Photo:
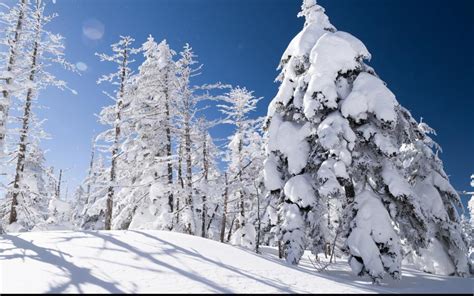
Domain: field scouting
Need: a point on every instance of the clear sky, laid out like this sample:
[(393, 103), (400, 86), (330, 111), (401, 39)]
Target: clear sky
[(423, 49)]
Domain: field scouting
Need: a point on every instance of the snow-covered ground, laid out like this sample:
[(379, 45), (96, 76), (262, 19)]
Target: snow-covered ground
[(157, 261)]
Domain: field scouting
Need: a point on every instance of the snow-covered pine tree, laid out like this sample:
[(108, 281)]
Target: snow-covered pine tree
[(245, 159), (112, 115), (468, 226), (44, 48), (335, 131)]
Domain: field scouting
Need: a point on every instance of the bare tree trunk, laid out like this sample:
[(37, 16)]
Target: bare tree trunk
[(280, 247), (180, 178), (91, 168), (212, 218), (180, 165), (113, 168), (241, 221), (58, 189), (327, 244), (224, 214), (242, 201), (189, 172), (115, 150), (20, 165), (206, 177), (168, 146), (5, 108), (259, 222), (229, 234)]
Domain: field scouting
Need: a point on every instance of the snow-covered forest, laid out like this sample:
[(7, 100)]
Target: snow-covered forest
[(338, 173)]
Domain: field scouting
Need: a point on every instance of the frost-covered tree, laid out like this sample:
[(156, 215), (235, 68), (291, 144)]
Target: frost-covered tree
[(38, 187), (96, 184), (59, 214), (13, 40), (187, 106), (77, 205), (83, 192), (113, 115), (147, 199), (208, 184), (245, 159), (336, 132), (44, 48), (167, 86)]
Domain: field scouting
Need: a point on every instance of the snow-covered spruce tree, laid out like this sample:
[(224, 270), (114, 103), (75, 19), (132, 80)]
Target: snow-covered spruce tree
[(335, 131), (147, 199), (468, 227), (245, 159), (44, 48), (112, 115), (13, 41)]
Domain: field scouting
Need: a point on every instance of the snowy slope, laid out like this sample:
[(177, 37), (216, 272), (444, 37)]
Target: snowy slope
[(157, 261)]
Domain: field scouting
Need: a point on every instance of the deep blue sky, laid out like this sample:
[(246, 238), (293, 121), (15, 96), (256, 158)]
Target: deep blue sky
[(423, 49)]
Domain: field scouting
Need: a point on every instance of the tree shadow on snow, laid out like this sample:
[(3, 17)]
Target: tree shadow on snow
[(282, 287), (76, 275), (148, 256), (412, 281)]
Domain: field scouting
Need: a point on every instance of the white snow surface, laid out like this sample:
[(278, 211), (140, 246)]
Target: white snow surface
[(373, 226), (271, 175), (370, 95), (332, 54), (159, 261), (434, 259), (291, 139), (299, 190)]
